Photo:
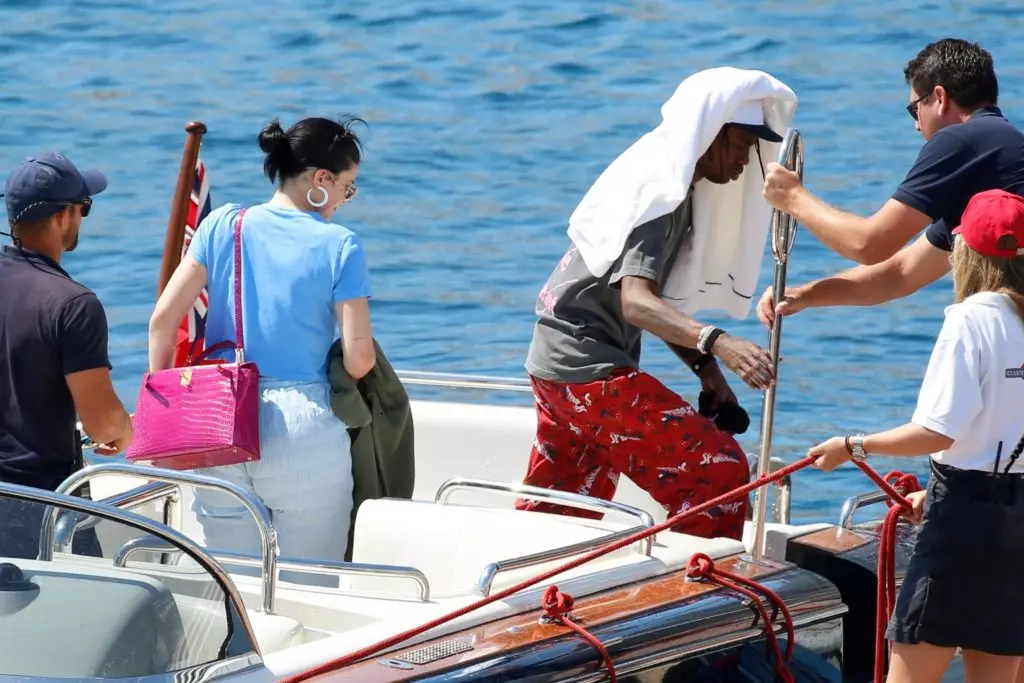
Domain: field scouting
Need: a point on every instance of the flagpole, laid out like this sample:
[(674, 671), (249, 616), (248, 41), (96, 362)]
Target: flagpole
[(175, 236)]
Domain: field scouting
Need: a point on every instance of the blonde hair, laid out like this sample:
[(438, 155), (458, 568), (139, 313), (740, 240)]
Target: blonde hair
[(973, 273)]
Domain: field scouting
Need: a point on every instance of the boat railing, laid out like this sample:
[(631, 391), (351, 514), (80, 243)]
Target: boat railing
[(565, 498), (783, 235), (302, 566), (163, 483), (68, 522), (259, 511), (854, 503), (453, 381)]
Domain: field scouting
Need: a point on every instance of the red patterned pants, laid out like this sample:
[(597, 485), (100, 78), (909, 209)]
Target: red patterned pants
[(630, 423)]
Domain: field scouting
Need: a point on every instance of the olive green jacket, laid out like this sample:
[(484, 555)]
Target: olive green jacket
[(379, 418)]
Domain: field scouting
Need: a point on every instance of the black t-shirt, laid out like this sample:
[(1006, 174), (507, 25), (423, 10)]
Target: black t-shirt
[(986, 152), (50, 326)]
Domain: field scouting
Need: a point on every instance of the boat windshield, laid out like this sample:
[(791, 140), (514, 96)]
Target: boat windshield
[(83, 611)]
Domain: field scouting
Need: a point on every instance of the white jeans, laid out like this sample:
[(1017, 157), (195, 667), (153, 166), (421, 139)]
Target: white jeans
[(304, 476)]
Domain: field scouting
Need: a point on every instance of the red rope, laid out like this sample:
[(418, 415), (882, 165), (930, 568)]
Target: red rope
[(391, 641), (896, 485), (889, 595), (558, 606), (702, 567)]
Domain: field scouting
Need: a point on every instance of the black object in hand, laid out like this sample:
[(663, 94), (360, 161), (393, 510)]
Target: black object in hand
[(729, 417)]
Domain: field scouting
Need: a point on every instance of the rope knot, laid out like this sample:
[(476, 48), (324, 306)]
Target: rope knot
[(902, 484), (699, 566), (555, 603), (557, 606)]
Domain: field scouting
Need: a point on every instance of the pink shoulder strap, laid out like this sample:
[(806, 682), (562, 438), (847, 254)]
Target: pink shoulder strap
[(239, 341)]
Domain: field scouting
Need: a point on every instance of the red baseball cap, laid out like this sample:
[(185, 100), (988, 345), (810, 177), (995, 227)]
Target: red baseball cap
[(993, 224)]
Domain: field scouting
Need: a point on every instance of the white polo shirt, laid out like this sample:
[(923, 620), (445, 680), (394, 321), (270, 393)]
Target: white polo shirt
[(973, 390)]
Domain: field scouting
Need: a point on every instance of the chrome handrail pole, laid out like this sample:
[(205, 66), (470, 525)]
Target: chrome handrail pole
[(783, 235)]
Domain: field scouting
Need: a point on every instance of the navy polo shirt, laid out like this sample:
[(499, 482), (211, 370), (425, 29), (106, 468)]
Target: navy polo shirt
[(50, 326), (986, 152)]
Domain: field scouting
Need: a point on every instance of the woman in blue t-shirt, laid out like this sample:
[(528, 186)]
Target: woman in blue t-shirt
[(303, 279)]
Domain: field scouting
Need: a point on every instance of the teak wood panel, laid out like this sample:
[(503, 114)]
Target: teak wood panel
[(835, 540), (524, 629)]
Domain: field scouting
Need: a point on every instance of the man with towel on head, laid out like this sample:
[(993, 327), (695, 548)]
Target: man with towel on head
[(674, 226)]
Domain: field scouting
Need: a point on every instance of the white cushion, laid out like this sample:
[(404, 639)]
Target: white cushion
[(452, 544), (276, 632)]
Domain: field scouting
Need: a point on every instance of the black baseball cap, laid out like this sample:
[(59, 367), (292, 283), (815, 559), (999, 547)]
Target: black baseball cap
[(42, 185), (749, 116)]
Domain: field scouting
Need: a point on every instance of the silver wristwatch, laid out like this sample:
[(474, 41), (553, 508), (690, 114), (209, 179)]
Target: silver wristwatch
[(856, 445)]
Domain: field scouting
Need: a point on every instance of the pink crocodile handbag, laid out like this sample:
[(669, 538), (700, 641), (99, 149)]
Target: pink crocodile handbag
[(203, 415)]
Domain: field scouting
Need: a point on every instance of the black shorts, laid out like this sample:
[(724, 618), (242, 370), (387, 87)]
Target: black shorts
[(964, 585)]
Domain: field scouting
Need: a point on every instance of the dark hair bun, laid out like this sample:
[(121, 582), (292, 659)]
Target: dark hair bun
[(272, 138), (276, 148), (311, 143)]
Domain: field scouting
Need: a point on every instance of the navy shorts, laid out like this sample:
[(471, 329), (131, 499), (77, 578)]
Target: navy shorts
[(964, 585)]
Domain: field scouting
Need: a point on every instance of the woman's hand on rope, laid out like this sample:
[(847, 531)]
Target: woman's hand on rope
[(831, 454), (917, 510)]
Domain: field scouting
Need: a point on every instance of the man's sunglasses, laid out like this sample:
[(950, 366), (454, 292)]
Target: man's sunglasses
[(85, 203), (914, 106)]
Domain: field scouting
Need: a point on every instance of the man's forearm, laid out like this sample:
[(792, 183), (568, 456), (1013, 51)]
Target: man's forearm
[(113, 426), (912, 268), (690, 356), (684, 354), (652, 314), (842, 232), (859, 286)]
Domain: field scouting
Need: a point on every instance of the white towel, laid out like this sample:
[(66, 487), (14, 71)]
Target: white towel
[(719, 268)]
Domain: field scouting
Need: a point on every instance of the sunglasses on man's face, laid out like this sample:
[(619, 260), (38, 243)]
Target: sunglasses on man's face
[(914, 107), (85, 203)]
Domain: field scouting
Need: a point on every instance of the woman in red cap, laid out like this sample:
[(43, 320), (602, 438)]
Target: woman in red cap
[(964, 585)]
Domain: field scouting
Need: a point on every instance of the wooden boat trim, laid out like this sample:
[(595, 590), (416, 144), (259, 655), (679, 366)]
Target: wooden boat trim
[(512, 633), (836, 540)]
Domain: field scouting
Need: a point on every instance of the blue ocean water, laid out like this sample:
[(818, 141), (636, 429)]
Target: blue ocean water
[(487, 124)]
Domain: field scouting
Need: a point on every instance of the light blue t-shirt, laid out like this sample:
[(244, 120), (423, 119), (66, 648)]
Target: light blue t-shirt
[(295, 267)]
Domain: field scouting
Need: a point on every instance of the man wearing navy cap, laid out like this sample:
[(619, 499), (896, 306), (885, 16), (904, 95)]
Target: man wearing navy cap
[(53, 342)]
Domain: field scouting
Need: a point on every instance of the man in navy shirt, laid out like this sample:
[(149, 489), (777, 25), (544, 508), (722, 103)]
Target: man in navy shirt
[(970, 147), (53, 347)]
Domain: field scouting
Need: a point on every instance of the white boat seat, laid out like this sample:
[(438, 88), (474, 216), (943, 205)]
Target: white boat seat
[(452, 544), (276, 632)]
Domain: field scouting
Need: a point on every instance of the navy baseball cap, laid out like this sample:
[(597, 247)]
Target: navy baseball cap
[(749, 116), (44, 184)]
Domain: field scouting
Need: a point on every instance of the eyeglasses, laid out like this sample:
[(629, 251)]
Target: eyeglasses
[(915, 106), (350, 191), (85, 203)]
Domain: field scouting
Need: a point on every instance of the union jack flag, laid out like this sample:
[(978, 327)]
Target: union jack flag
[(192, 330)]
